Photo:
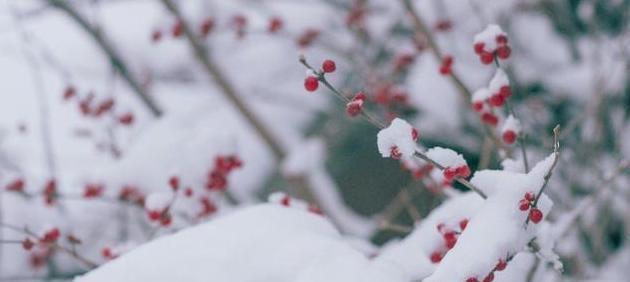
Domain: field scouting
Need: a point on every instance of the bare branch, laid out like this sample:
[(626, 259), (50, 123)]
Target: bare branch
[(115, 59)]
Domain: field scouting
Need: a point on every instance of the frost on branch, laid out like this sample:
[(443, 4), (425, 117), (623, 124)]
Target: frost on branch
[(497, 231), (270, 242), (397, 140)]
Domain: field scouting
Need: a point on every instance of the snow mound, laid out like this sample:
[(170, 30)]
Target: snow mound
[(399, 135), (271, 242)]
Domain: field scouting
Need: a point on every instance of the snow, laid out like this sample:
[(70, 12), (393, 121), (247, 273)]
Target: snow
[(482, 94), (271, 242), (511, 124), (500, 79), (397, 135), (446, 157), (497, 231), (304, 157), (158, 201), (488, 37)]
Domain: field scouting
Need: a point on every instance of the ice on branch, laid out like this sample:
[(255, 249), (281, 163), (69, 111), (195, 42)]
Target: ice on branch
[(271, 242), (397, 140), (498, 230)]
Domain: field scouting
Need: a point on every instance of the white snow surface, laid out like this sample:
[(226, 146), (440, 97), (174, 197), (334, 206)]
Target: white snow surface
[(270, 242), (488, 37), (499, 80), (498, 229), (398, 134), (513, 124), (446, 157)]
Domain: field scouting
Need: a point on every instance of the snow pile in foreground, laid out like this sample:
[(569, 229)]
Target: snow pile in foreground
[(263, 243)]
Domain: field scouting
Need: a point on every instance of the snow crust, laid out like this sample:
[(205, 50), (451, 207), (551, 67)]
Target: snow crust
[(511, 124), (488, 36)]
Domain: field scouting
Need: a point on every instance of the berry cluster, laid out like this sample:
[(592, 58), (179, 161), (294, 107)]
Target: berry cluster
[(527, 203), (90, 107), (157, 207), (131, 194), (451, 173), (491, 43), (17, 185), (286, 201), (403, 60), (223, 165), (449, 236)]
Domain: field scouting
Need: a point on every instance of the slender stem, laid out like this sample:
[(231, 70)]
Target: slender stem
[(372, 120), (55, 245), (465, 93), (115, 59)]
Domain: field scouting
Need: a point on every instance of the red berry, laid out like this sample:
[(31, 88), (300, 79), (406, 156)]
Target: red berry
[(447, 60), (285, 201), (472, 279), (275, 24), (16, 186), (450, 173), (107, 253), (329, 66), (443, 25), (450, 243), (490, 119), (440, 227), (501, 265), (314, 209), (509, 136), (489, 278), (154, 215), (188, 192), (503, 52), (126, 119), (523, 205), (69, 93), (359, 96), (463, 171), (535, 215), (51, 235), (497, 100), (166, 220), (436, 257), (27, 244), (463, 223), (414, 134), (502, 39), (529, 196), (311, 83), (479, 46), (156, 36), (174, 183), (206, 26), (353, 108), (486, 58), (445, 70), (177, 29), (92, 191), (478, 106), (395, 153)]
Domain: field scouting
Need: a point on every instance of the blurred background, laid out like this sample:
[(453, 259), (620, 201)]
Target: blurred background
[(104, 102)]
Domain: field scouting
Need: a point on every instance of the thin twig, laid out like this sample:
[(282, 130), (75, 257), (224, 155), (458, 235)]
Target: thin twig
[(113, 56), (375, 122), (55, 245)]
